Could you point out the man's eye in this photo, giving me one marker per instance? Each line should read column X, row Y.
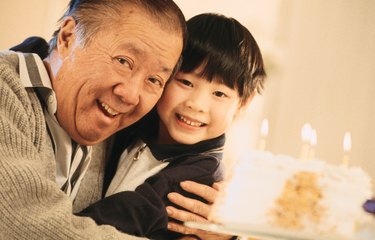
column 185, row 82
column 124, row 61
column 156, row 81
column 219, row 94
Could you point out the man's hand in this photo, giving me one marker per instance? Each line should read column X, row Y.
column 196, row 211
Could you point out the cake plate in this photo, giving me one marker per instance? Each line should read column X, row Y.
column 261, row 233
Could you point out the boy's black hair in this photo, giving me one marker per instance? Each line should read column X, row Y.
column 227, row 50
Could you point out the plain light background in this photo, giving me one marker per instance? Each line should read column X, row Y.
column 320, row 58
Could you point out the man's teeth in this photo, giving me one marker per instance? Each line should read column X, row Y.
column 189, row 122
column 109, row 110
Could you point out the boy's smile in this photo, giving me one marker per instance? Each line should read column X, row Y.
column 188, row 121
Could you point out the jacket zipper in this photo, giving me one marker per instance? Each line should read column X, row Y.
column 139, row 152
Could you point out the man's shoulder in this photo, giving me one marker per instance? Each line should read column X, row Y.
column 9, row 67
column 7, row 53
column 8, row 59
column 12, row 89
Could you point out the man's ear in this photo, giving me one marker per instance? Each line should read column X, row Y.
column 66, row 37
column 246, row 104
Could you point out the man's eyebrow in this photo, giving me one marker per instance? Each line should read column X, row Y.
column 166, row 70
column 137, row 51
column 131, row 48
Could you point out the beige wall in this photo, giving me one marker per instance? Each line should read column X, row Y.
column 20, row 19
column 325, row 76
column 319, row 54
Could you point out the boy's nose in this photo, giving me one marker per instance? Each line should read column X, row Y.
column 198, row 102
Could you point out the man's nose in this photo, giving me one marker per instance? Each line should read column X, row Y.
column 129, row 91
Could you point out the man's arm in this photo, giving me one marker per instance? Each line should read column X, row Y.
column 31, row 204
column 195, row 211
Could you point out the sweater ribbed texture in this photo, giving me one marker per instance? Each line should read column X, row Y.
column 31, row 204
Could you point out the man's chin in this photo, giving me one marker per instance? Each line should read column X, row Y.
column 88, row 139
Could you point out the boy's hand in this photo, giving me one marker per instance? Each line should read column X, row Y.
column 196, row 211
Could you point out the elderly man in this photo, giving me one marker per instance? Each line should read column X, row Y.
column 107, row 68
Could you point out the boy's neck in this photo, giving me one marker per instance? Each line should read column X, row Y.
column 163, row 135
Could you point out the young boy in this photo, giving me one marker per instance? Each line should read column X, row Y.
column 222, row 70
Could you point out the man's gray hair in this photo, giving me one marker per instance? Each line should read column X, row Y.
column 92, row 15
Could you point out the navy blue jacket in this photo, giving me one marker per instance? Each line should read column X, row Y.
column 142, row 212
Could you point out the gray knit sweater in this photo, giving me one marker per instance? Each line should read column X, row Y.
column 31, row 204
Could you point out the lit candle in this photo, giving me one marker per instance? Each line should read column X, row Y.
column 305, row 136
column 313, row 142
column 347, row 146
column 263, row 135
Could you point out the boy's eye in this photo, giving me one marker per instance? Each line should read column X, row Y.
column 219, row 94
column 156, row 82
column 125, row 61
column 185, row 82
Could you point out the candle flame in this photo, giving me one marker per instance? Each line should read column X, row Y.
column 306, row 132
column 264, row 128
column 313, row 138
column 347, row 144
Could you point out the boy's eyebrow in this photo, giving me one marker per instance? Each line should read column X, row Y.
column 197, row 74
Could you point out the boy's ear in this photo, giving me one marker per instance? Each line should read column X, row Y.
column 66, row 37
column 246, row 104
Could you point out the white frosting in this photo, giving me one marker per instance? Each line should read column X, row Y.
column 259, row 178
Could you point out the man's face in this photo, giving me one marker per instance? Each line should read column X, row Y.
column 114, row 80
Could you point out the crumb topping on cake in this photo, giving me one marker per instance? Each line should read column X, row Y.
column 298, row 202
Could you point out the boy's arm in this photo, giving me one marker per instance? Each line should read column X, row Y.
column 33, row 45
column 139, row 213
column 143, row 212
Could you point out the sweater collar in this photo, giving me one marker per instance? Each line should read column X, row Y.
column 32, row 71
column 33, row 74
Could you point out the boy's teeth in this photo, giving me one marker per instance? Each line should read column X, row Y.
column 191, row 123
column 109, row 110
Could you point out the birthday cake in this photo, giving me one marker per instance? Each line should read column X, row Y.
column 281, row 194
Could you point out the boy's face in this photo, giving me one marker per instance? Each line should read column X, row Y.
column 192, row 109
